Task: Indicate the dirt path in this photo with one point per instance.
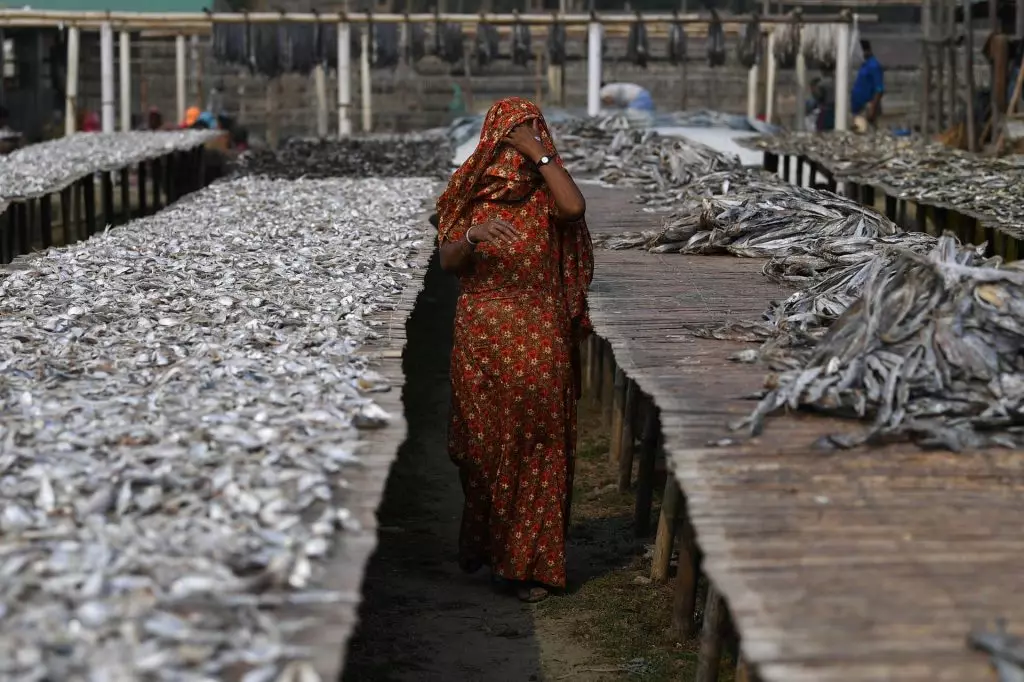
(425, 621)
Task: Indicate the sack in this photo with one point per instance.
(716, 41)
(677, 44)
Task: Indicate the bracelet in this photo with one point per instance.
(468, 240)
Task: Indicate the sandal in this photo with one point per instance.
(531, 594)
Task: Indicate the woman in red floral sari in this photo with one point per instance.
(511, 224)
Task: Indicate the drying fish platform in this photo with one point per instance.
(836, 563)
(137, 173)
(200, 411)
(962, 191)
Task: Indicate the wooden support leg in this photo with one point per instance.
(618, 413)
(10, 228)
(626, 438)
(46, 220)
(645, 474)
(684, 597)
(890, 207)
(67, 215)
(711, 637)
(941, 219)
(666, 533)
(608, 371)
(771, 162)
(24, 240)
(785, 168)
(902, 215)
(107, 180)
(89, 188)
(142, 186)
(922, 218)
(158, 184)
(126, 195)
(170, 181)
(800, 171)
(593, 366)
(867, 196)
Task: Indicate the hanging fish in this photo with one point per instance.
(677, 43)
(452, 48)
(716, 41)
(748, 50)
(521, 44)
(637, 48)
(556, 44)
(787, 45)
(486, 43)
(416, 42)
(385, 46)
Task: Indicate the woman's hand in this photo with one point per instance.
(525, 137)
(494, 230)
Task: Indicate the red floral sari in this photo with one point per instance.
(514, 370)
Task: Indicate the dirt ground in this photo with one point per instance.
(423, 620)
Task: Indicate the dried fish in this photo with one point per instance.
(49, 166)
(985, 187)
(930, 350)
(395, 156)
(182, 400)
(1006, 651)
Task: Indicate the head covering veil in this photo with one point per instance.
(497, 172)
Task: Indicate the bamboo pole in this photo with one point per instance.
(972, 140)
(202, 20)
(772, 77)
(107, 77)
(752, 92)
(179, 75)
(71, 84)
(594, 68)
(320, 81)
(843, 77)
(926, 66)
(126, 80)
(344, 79)
(801, 85)
(365, 84)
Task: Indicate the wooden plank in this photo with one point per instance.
(865, 564)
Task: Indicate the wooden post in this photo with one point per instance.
(594, 368)
(711, 637)
(71, 84)
(801, 88)
(626, 438)
(926, 66)
(107, 77)
(972, 141)
(126, 80)
(320, 80)
(618, 413)
(273, 127)
(772, 77)
(126, 197)
(645, 473)
(666, 530)
(1000, 74)
(89, 187)
(684, 598)
(608, 386)
(950, 49)
(938, 28)
(365, 84)
(107, 194)
(344, 79)
(179, 76)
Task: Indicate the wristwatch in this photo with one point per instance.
(543, 161)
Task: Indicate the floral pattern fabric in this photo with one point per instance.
(514, 370)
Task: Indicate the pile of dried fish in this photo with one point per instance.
(931, 350)
(638, 158)
(181, 398)
(985, 187)
(398, 156)
(761, 217)
(50, 166)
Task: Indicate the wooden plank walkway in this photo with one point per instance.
(871, 564)
(331, 625)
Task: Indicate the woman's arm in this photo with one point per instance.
(567, 196)
(457, 255)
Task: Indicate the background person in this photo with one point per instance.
(868, 88)
(626, 96)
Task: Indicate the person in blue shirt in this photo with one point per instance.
(866, 98)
